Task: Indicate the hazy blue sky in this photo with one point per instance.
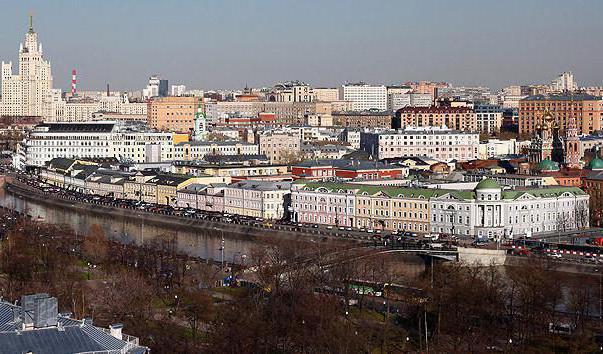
(227, 44)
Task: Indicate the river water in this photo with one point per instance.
(199, 243)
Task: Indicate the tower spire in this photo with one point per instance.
(31, 22)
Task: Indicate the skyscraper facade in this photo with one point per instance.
(28, 93)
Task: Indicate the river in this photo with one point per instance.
(198, 243)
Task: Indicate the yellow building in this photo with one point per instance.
(392, 208)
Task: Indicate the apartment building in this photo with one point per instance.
(587, 111)
(364, 96)
(172, 113)
(280, 147)
(439, 143)
(260, 199)
(457, 118)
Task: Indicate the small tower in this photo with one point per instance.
(572, 145)
(200, 130)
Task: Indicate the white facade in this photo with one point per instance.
(365, 97)
(263, 199)
(564, 82)
(90, 140)
(197, 150)
(178, 90)
(496, 147)
(488, 118)
(396, 101)
(439, 143)
(27, 93)
(492, 213)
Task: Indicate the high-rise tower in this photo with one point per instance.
(27, 93)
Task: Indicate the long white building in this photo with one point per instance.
(27, 93)
(438, 143)
(365, 97)
(93, 140)
(490, 212)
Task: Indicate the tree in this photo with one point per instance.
(196, 307)
(96, 245)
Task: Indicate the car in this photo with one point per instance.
(378, 231)
(395, 232)
(348, 229)
(370, 231)
(555, 255)
(329, 227)
(315, 226)
(591, 259)
(341, 228)
(300, 225)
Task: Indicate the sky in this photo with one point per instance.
(211, 44)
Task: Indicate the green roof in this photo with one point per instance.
(543, 192)
(426, 193)
(391, 191)
(487, 183)
(547, 165)
(596, 164)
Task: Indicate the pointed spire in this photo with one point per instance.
(31, 30)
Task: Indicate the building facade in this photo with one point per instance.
(362, 119)
(280, 147)
(259, 199)
(172, 113)
(365, 97)
(488, 118)
(585, 109)
(439, 143)
(27, 93)
(490, 212)
(459, 118)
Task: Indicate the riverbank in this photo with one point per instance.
(230, 230)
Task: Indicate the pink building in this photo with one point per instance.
(202, 196)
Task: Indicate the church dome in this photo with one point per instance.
(547, 166)
(596, 164)
(487, 183)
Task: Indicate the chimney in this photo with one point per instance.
(107, 90)
(73, 83)
(116, 330)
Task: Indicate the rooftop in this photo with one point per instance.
(563, 97)
(36, 327)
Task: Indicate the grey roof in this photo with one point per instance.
(168, 179)
(61, 163)
(78, 127)
(354, 165)
(563, 97)
(262, 185)
(70, 336)
(210, 143)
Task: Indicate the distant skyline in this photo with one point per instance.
(216, 44)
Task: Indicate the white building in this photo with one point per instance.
(488, 118)
(439, 143)
(497, 147)
(178, 90)
(490, 212)
(262, 199)
(365, 97)
(27, 93)
(196, 150)
(564, 82)
(292, 91)
(92, 140)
